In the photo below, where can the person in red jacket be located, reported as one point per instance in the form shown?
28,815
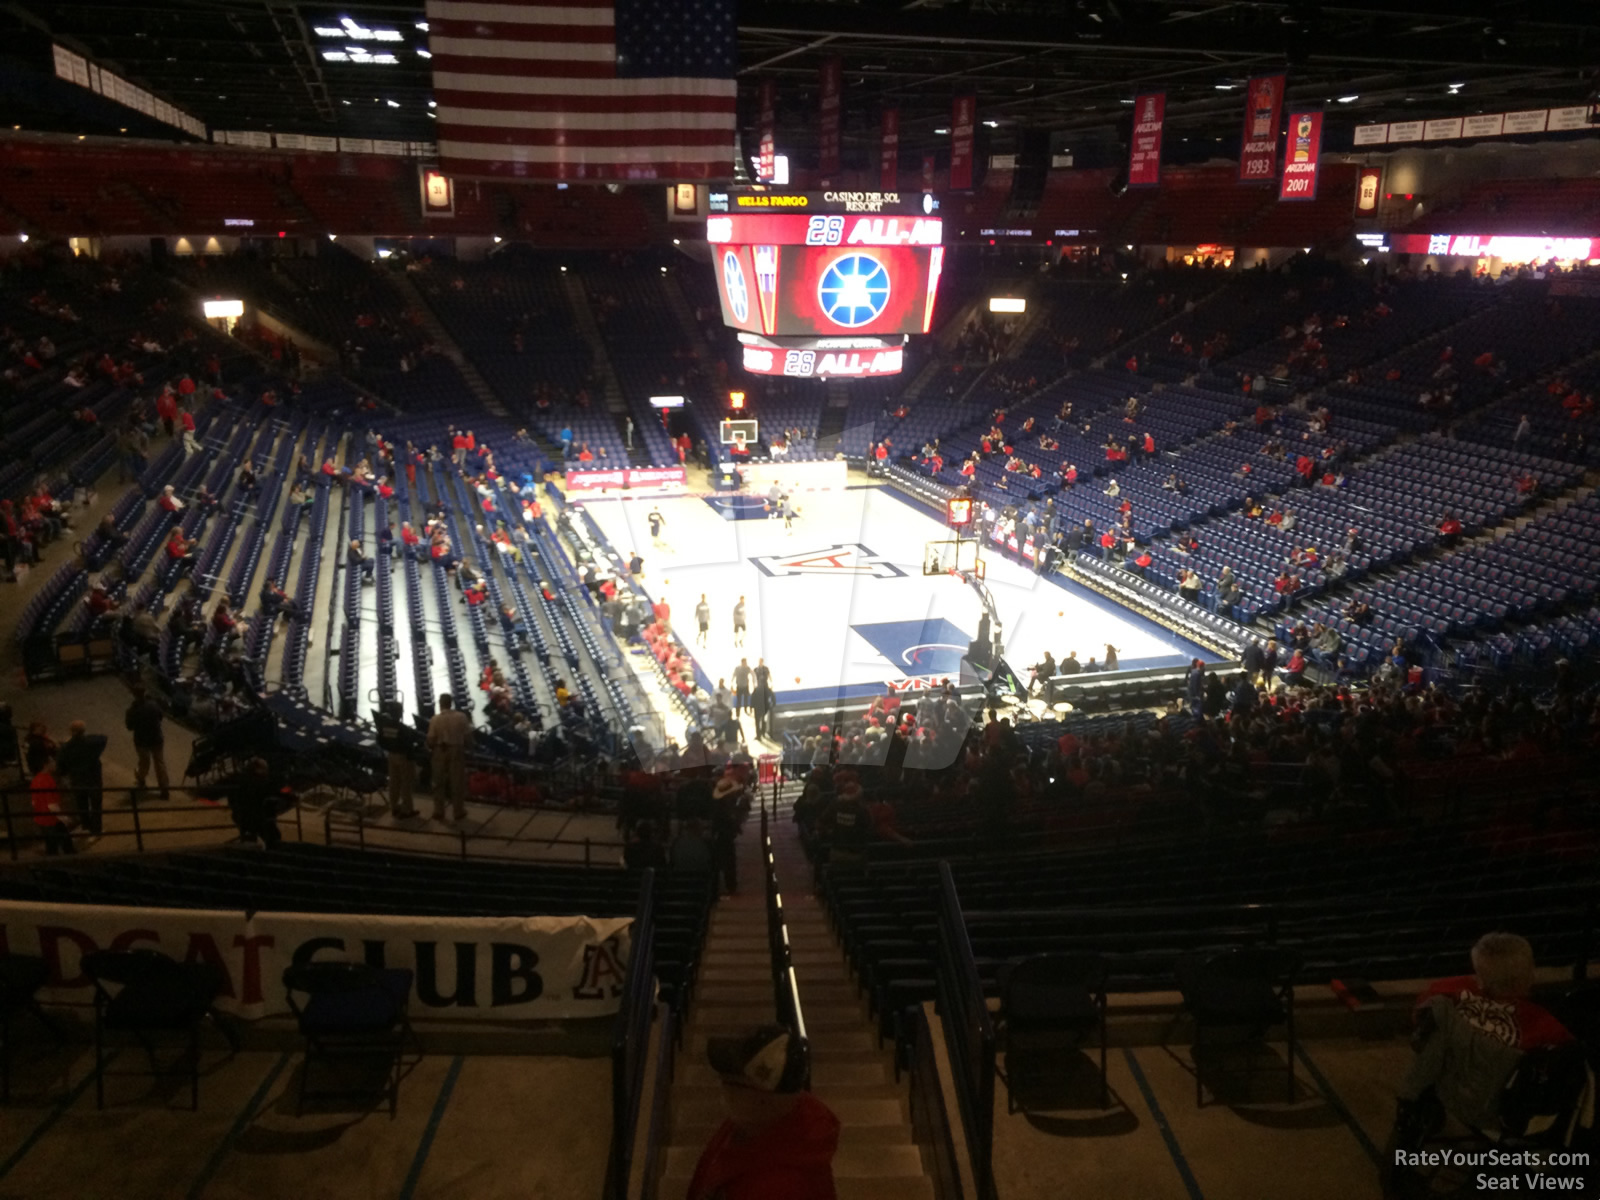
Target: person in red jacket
1449,530
167,409
779,1140
46,795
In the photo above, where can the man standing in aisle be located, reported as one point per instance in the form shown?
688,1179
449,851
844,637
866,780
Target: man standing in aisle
761,704
741,686
79,760
398,741
738,624
449,736
702,616
143,720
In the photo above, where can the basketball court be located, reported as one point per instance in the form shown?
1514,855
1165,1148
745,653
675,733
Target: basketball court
838,603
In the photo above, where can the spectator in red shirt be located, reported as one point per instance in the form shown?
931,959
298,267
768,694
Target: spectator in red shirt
169,501
46,795
779,1140
1449,530
180,548
167,410
222,620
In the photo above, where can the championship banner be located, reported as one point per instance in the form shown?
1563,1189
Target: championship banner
1258,150
927,172
1369,189
889,153
1144,153
963,118
830,77
1304,154
768,149
466,968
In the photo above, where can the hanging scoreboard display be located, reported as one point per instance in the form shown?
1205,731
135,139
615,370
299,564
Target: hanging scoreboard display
802,270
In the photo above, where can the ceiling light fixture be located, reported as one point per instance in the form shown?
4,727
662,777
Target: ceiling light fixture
1349,99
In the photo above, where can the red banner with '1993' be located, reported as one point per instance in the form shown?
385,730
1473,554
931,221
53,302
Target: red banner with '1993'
1301,157
1258,150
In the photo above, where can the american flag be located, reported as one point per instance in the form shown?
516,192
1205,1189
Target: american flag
603,90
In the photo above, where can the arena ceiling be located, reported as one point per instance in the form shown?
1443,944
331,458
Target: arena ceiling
1062,69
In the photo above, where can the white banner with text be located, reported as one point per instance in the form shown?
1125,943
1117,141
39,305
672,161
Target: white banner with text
499,968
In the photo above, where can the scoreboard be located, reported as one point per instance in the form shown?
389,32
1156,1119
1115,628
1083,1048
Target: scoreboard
796,269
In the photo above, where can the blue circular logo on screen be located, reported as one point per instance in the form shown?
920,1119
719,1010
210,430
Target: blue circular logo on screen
738,293
854,290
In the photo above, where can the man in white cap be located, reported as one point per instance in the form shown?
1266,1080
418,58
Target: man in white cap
779,1140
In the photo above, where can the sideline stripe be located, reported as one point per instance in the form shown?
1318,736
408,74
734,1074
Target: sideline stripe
54,1115
246,1115
1336,1102
408,1189
1178,1160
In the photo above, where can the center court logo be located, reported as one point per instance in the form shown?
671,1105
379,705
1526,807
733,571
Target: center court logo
847,558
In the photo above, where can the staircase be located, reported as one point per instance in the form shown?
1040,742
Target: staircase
583,318
830,425
877,1158
440,336
678,303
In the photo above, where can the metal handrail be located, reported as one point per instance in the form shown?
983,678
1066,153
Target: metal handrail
20,827
630,1043
785,987
969,1033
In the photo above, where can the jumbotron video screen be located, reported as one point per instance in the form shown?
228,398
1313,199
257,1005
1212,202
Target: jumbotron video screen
825,283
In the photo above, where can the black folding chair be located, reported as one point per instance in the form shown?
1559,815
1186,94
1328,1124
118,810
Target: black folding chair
352,1011
146,993
1249,987
21,977
1051,1002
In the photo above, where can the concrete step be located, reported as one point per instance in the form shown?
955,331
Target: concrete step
829,1074
725,993
747,973
697,1109
905,1188
849,1135
874,1163
722,1020
849,1044
819,991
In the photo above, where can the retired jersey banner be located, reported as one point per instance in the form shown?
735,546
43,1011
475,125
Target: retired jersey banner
927,172
963,119
1368,190
465,968
829,92
1258,151
1144,153
768,149
1302,158
889,153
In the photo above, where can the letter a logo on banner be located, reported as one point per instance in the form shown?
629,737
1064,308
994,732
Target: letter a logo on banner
768,149
1302,157
889,163
1144,151
963,116
829,81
